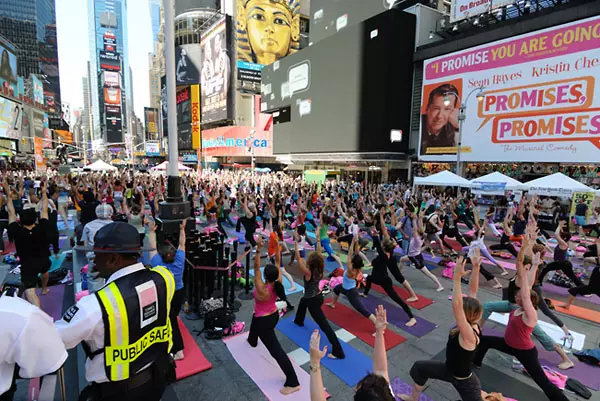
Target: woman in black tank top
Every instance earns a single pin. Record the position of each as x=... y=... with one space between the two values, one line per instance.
x=462 y=342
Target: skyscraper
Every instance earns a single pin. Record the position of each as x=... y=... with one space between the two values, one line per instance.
x=155 y=18
x=31 y=26
x=110 y=76
x=156 y=63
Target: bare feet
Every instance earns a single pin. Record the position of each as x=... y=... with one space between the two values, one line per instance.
x=331 y=356
x=564 y=365
x=332 y=306
x=412 y=299
x=440 y=289
x=362 y=294
x=289 y=390
x=497 y=286
x=46 y=291
x=292 y=289
x=404 y=397
x=411 y=322
x=564 y=306
x=504 y=273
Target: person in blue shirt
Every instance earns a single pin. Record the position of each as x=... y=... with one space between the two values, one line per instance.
x=174 y=260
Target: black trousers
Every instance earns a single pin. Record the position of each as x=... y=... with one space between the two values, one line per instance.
x=529 y=360
x=264 y=328
x=469 y=389
x=3 y=226
x=466 y=220
x=314 y=305
x=386 y=283
x=53 y=237
x=566 y=267
x=176 y=303
x=453 y=233
x=505 y=244
x=152 y=390
x=354 y=299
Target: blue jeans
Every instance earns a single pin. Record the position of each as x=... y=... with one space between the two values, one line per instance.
x=506 y=307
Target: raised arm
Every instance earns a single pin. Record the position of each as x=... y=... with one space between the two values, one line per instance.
x=152 y=238
x=44 y=211
x=561 y=242
x=262 y=293
x=384 y=231
x=474 y=279
x=466 y=331
x=301 y=261
x=380 y=363
x=181 y=246
x=530 y=314
x=12 y=215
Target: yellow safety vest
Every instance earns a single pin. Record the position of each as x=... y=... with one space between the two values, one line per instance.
x=137 y=329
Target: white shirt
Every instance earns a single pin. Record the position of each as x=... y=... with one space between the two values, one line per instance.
x=83 y=322
x=89 y=232
x=28 y=339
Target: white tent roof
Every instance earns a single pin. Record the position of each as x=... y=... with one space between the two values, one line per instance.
x=100 y=165
x=556 y=184
x=165 y=166
x=511 y=183
x=443 y=179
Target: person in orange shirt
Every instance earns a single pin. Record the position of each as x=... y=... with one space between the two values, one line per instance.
x=274 y=247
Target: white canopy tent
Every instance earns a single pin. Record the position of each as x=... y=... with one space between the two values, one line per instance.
x=100 y=165
x=556 y=184
x=164 y=166
x=443 y=179
x=499 y=178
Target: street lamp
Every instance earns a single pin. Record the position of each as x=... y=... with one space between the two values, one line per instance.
x=251 y=149
x=462 y=116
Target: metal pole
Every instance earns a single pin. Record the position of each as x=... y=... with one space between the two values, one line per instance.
x=171 y=92
x=461 y=119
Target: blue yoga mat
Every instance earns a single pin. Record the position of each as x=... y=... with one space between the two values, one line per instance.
x=286 y=283
x=57 y=262
x=351 y=369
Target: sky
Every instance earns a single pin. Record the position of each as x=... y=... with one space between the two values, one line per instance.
x=73 y=50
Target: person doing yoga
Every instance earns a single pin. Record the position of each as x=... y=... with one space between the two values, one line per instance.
x=505 y=242
x=563 y=236
x=521 y=323
x=265 y=319
x=313 y=298
x=479 y=244
x=324 y=222
x=462 y=342
x=348 y=286
x=385 y=261
x=593 y=287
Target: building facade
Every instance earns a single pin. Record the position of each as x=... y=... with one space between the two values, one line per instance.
x=31 y=26
x=110 y=76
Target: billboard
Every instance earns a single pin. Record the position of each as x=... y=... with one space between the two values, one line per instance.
x=112 y=96
x=152 y=149
x=38 y=89
x=64 y=136
x=113 y=123
x=184 y=118
x=111 y=79
x=195 y=116
x=10 y=118
x=541 y=101
x=266 y=31
x=237 y=141
x=151 y=120
x=110 y=41
x=8 y=67
x=216 y=73
x=164 y=105
x=463 y=9
x=38 y=149
x=109 y=61
x=188 y=59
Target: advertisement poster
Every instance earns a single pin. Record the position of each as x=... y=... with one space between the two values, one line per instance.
x=184 y=118
x=152 y=149
x=38 y=90
x=237 y=141
x=266 y=31
x=109 y=61
x=195 y=111
x=215 y=73
x=151 y=120
x=112 y=96
x=188 y=59
x=38 y=150
x=588 y=199
x=10 y=114
x=540 y=103
x=8 y=67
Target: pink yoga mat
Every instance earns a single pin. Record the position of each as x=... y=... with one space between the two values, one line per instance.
x=264 y=371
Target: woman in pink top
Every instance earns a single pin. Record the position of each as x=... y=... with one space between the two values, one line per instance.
x=266 y=316
x=517 y=338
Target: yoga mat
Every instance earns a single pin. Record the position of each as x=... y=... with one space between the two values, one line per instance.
x=52 y=303
x=397 y=316
x=400 y=387
x=9 y=247
x=578 y=311
x=194 y=361
x=350 y=370
x=57 y=261
x=404 y=294
x=286 y=284
x=554 y=289
x=494 y=380
x=588 y=375
x=360 y=326
x=260 y=366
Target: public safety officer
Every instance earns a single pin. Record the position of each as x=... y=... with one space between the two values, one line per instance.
x=124 y=328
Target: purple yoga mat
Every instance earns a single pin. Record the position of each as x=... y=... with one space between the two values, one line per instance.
x=397 y=316
x=52 y=303
x=554 y=289
x=588 y=375
x=400 y=387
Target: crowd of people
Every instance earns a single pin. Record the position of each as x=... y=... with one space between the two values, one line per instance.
x=115 y=217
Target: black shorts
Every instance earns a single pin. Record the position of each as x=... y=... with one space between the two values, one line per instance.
x=30 y=270
x=418 y=261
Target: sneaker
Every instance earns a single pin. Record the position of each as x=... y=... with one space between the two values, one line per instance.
x=178 y=356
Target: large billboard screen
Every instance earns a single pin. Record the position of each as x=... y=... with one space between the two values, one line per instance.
x=188 y=64
x=151 y=121
x=266 y=31
x=540 y=104
x=184 y=118
x=38 y=90
x=237 y=141
x=10 y=118
x=112 y=96
x=109 y=61
x=216 y=73
x=8 y=67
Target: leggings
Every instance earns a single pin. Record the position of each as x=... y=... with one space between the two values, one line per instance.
x=264 y=328
x=529 y=360
x=176 y=303
x=453 y=233
x=250 y=238
x=566 y=267
x=354 y=299
x=485 y=252
x=466 y=220
x=505 y=244
x=592 y=288
x=53 y=238
x=326 y=244
x=314 y=305
x=469 y=389
x=386 y=283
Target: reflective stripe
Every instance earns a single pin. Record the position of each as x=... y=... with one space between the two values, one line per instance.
x=119 y=327
x=116 y=356
x=170 y=281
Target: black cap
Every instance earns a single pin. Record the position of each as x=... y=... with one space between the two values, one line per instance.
x=118 y=237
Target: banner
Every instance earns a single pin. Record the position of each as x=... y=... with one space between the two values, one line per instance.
x=463 y=9
x=10 y=117
x=152 y=149
x=215 y=73
x=65 y=136
x=237 y=141
x=188 y=64
x=195 y=110
x=151 y=120
x=38 y=89
x=588 y=199
x=266 y=31
x=38 y=151
x=8 y=68
x=488 y=188
x=541 y=101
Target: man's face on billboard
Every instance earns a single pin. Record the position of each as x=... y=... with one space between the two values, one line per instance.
x=438 y=114
x=269 y=30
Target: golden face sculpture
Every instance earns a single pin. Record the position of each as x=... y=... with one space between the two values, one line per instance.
x=271 y=29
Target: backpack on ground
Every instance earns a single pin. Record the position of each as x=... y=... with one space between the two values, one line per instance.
x=217 y=323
